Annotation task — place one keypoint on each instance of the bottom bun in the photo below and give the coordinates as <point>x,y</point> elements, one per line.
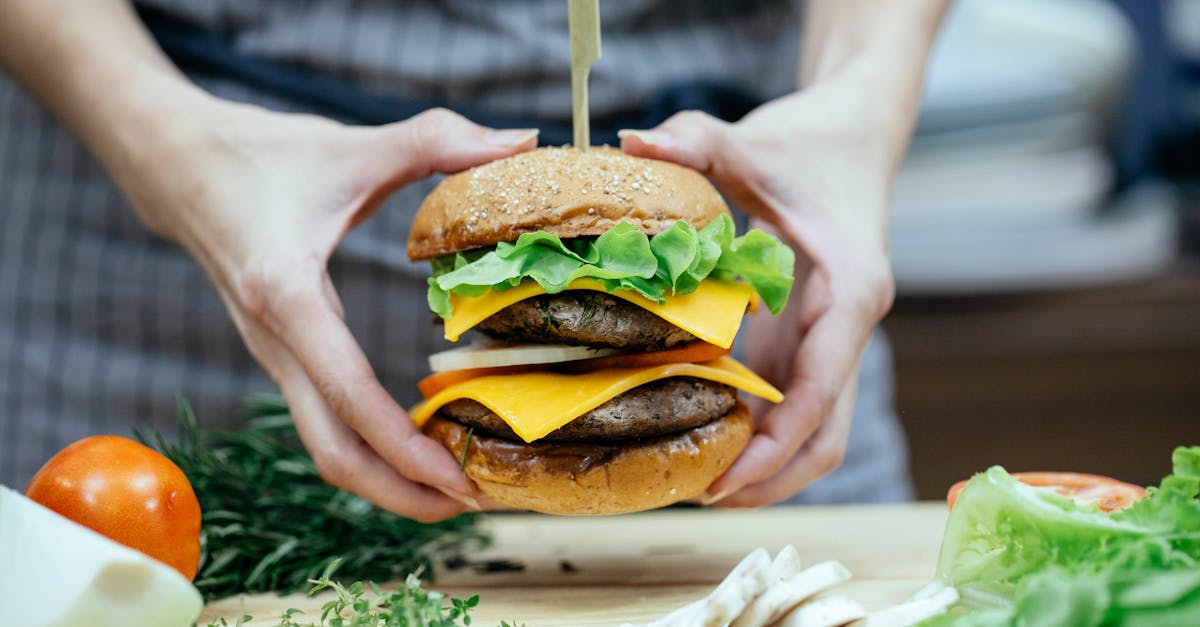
<point>596,479</point>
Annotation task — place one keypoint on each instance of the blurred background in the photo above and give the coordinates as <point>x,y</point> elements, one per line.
<point>1046,242</point>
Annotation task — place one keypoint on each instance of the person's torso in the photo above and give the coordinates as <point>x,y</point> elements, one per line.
<point>512,57</point>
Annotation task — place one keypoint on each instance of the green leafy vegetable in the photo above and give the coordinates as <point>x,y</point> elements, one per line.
<point>409,606</point>
<point>270,523</point>
<point>623,258</point>
<point>1028,557</point>
<point>762,262</point>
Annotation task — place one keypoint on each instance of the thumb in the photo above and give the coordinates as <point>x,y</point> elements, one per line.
<point>439,140</point>
<point>690,138</point>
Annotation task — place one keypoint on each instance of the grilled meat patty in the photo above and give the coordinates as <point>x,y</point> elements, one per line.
<point>584,318</point>
<point>658,408</point>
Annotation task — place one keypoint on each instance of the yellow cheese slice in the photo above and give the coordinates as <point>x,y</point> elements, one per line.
<point>712,313</point>
<point>536,403</point>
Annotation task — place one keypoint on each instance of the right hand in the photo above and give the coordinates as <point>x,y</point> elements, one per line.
<point>261,199</point>
<point>810,169</point>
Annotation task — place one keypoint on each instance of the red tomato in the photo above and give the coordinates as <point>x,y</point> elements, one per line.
<point>1104,492</point>
<point>128,492</point>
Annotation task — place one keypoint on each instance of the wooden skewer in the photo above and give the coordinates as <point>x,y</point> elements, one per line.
<point>584,23</point>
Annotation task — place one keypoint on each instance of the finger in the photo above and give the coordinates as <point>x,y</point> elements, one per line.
<point>823,367</point>
<point>820,455</point>
<point>437,140</point>
<point>331,296</point>
<point>299,314</point>
<point>690,138</point>
<point>344,460</point>
<point>341,457</point>
<point>722,152</point>
<point>440,140</point>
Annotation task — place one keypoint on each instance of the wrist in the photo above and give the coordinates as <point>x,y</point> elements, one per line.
<point>97,69</point>
<point>878,116</point>
<point>147,131</point>
<point>872,53</point>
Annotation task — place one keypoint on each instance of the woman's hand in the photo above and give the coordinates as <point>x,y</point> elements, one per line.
<point>808,169</point>
<point>816,168</point>
<point>261,200</point>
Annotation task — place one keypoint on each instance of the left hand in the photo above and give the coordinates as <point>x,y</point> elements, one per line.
<point>807,168</point>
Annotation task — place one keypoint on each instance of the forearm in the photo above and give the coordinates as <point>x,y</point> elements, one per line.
<point>877,48</point>
<point>95,67</point>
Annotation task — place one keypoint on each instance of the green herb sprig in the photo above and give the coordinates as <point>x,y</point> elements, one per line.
<point>270,523</point>
<point>409,606</point>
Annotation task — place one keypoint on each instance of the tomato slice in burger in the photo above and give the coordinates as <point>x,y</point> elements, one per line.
<point>439,381</point>
<point>1104,492</point>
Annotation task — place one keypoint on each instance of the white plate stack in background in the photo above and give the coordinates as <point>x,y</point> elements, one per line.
<point>1008,184</point>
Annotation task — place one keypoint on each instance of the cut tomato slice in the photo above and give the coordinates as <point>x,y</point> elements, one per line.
<point>439,381</point>
<point>1104,492</point>
<point>693,353</point>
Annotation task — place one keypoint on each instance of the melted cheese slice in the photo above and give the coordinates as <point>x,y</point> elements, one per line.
<point>536,403</point>
<point>712,313</point>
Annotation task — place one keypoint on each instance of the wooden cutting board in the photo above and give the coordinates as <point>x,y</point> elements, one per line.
<point>553,571</point>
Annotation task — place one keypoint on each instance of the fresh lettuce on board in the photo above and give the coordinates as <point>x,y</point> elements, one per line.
<point>622,258</point>
<point>1021,556</point>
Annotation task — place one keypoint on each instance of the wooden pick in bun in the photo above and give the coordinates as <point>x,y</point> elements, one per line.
<point>631,257</point>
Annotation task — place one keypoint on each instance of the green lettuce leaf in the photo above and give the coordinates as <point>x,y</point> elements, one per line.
<point>762,262</point>
<point>623,258</point>
<point>1058,597</point>
<point>1021,556</point>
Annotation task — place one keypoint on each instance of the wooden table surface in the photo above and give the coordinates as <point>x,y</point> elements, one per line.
<point>635,568</point>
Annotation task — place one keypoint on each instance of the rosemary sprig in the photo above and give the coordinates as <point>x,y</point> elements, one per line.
<point>270,523</point>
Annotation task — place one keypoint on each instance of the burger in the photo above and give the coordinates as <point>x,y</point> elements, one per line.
<point>606,291</point>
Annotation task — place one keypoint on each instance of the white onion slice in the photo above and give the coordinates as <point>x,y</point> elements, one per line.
<point>922,606</point>
<point>512,355</point>
<point>828,611</point>
<point>781,596</point>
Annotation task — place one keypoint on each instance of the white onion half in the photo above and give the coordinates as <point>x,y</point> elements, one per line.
<point>491,356</point>
<point>57,573</point>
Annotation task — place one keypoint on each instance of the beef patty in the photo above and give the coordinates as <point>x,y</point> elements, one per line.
<point>584,318</point>
<point>658,408</point>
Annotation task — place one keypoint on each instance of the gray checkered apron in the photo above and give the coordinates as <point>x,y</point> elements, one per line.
<point>103,324</point>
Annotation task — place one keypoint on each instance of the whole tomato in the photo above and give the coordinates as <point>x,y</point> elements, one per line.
<point>128,492</point>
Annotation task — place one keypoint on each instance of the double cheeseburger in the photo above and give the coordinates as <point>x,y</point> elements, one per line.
<point>606,290</point>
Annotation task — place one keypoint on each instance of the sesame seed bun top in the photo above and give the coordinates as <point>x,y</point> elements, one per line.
<point>568,192</point>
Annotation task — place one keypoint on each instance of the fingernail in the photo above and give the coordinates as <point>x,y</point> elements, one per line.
<point>510,137</point>
<point>470,502</point>
<point>709,499</point>
<point>650,138</point>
